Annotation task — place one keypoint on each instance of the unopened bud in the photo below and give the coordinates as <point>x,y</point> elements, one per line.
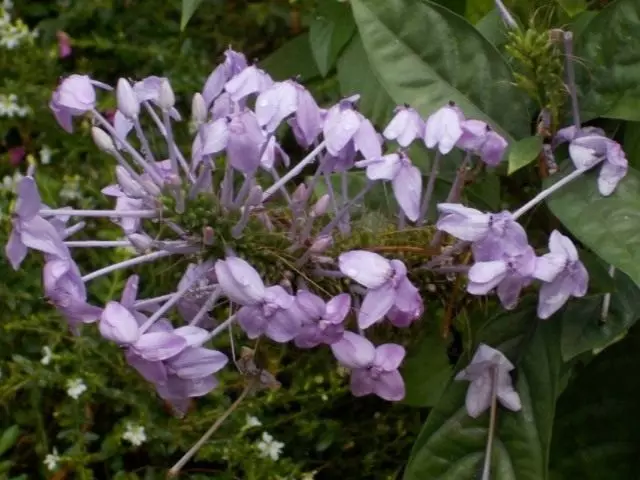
<point>300,193</point>
<point>208,235</point>
<point>128,103</point>
<point>321,244</point>
<point>140,241</point>
<point>321,206</point>
<point>129,186</point>
<point>166,97</point>
<point>255,197</point>
<point>102,140</point>
<point>150,187</point>
<point>198,109</point>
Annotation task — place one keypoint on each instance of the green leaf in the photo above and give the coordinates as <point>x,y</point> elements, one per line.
<point>456,6</point>
<point>631,143</point>
<point>451,444</point>
<point>582,328</point>
<point>425,55</point>
<point>597,431</point>
<point>294,58</point>
<point>189,7</point>
<point>610,226</point>
<point>9,438</point>
<point>356,76</point>
<point>573,7</point>
<point>608,70</point>
<point>427,369</point>
<point>492,27</point>
<point>524,152</point>
<point>329,33</point>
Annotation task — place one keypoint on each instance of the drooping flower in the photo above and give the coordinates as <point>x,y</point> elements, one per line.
<point>444,128</point>
<point>324,321</point>
<point>275,104</point>
<point>233,64</point>
<point>387,284</point>
<point>64,44</point>
<point>486,363</point>
<point>588,151</point>
<point>249,81</point>
<point>480,139</point>
<point>74,96</point>
<point>563,274</point>
<point>373,369</point>
<point>405,126</point>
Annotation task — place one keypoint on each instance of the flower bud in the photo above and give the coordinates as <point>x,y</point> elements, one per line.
<point>129,186</point>
<point>300,193</point>
<point>128,103</point>
<point>166,97</point>
<point>140,241</point>
<point>150,187</point>
<point>321,244</point>
<point>208,235</point>
<point>321,206</point>
<point>102,140</point>
<point>198,109</point>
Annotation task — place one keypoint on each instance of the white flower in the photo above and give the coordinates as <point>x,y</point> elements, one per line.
<point>71,188</point>
<point>9,106</point>
<point>47,355</point>
<point>7,4</point>
<point>75,388</point>
<point>269,447</point>
<point>45,155</point>
<point>134,434</point>
<point>9,182</point>
<point>252,422</point>
<point>52,459</point>
<point>309,475</point>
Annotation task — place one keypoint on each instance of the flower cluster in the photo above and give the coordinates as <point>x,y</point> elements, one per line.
<point>13,32</point>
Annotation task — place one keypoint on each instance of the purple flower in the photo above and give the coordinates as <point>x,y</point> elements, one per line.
<point>118,324</point>
<point>510,273</point>
<point>148,90</point>
<point>486,363</point>
<point>405,126</point>
<point>190,304</point>
<point>249,81</point>
<point>567,134</point>
<point>275,104</point>
<point>308,120</point>
<point>563,275</point>
<point>324,321</point>
<point>239,281</point>
<point>588,151</point>
<point>74,97</point>
<point>212,139</point>
<point>444,128</point>
<point>64,287</point>
<point>387,283</point>
<point>30,230</point>
<point>245,142</point>
<point>373,369</point>
<point>480,139</point>
<point>233,64</point>
<point>406,180</point>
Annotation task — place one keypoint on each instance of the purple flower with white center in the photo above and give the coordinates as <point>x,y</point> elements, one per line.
<point>374,370</point>
<point>406,180</point>
<point>480,139</point>
<point>245,141</point>
<point>510,273</point>
<point>562,273</point>
<point>74,96</point>
<point>405,126</point>
<point>486,363</point>
<point>30,230</point>
<point>387,284</point>
<point>491,233</point>
<point>324,321</point>
<point>233,64</point>
<point>249,81</point>
<point>444,128</point>
<point>64,287</point>
<point>588,151</point>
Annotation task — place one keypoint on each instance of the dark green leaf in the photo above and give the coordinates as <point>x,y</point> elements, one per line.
<point>189,7</point>
<point>608,69</point>
<point>456,6</point>
<point>610,226</point>
<point>582,327</point>
<point>293,59</point>
<point>329,32</point>
<point>597,431</point>
<point>573,7</point>
<point>356,76</point>
<point>9,438</point>
<point>425,55</point>
<point>451,444</point>
<point>631,143</point>
<point>492,27</point>
<point>524,152</point>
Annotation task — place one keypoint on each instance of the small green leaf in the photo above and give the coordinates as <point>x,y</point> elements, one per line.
<point>189,7</point>
<point>292,59</point>
<point>524,152</point>
<point>573,7</point>
<point>329,33</point>
<point>9,438</point>
<point>609,226</point>
<point>631,143</point>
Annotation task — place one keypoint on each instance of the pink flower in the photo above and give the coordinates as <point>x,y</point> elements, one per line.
<point>64,44</point>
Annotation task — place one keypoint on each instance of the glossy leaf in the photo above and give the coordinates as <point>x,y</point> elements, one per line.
<point>492,27</point>
<point>610,226</point>
<point>597,431</point>
<point>356,76</point>
<point>451,444</point>
<point>292,59</point>
<point>524,152</point>
<point>329,33</point>
<point>631,143</point>
<point>608,71</point>
<point>456,6</point>
<point>9,438</point>
<point>425,55</point>
<point>189,7</point>
<point>582,327</point>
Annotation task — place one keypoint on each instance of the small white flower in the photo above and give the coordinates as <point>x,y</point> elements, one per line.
<point>45,155</point>
<point>71,188</point>
<point>252,422</point>
<point>134,434</point>
<point>7,4</point>
<point>309,475</point>
<point>75,388</point>
<point>47,355</point>
<point>9,183</point>
<point>52,459</point>
<point>269,447</point>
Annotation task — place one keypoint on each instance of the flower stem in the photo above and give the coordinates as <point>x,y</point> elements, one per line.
<point>571,78</point>
<point>424,208</point>
<point>150,257</point>
<point>486,471</point>
<point>62,212</point>
<point>606,302</point>
<point>98,243</point>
